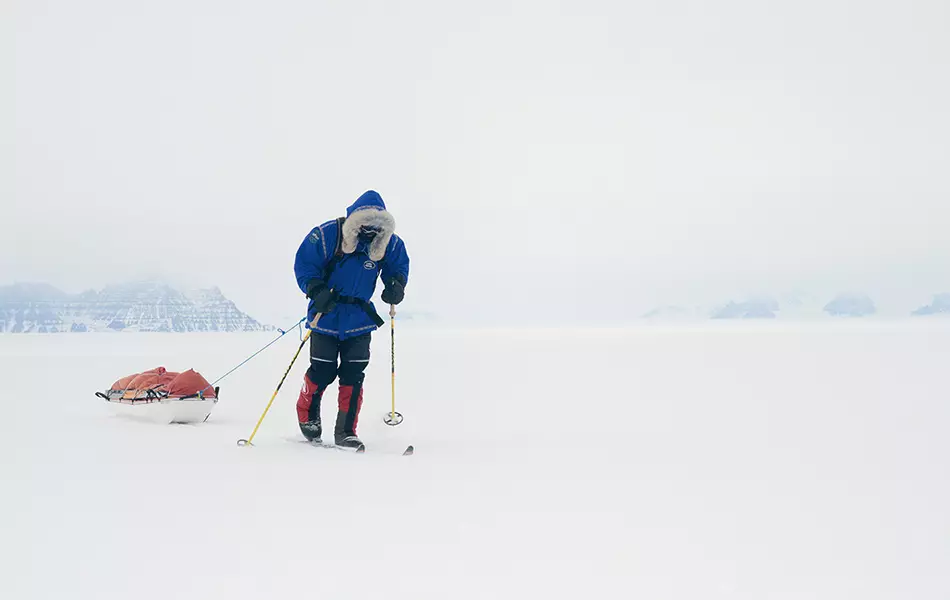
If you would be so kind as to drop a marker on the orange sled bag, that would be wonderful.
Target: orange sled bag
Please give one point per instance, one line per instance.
(163, 396)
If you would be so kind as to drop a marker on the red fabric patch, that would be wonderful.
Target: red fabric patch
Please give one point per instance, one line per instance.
(346, 392)
(305, 399)
(346, 396)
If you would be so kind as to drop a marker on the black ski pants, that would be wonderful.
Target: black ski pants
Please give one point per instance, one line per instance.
(330, 357)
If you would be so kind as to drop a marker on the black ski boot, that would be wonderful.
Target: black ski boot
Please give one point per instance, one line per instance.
(344, 433)
(313, 431)
(350, 442)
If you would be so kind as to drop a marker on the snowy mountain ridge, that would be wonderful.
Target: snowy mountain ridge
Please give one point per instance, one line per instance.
(795, 306)
(139, 306)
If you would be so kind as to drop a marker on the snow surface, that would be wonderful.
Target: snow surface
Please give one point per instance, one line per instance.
(728, 460)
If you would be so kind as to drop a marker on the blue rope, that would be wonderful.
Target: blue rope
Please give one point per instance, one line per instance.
(246, 360)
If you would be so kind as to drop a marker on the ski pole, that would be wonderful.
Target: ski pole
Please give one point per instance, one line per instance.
(248, 441)
(393, 418)
(392, 353)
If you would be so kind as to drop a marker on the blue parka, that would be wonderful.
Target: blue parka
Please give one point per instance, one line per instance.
(354, 272)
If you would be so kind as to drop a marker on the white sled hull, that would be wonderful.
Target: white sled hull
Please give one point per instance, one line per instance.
(169, 410)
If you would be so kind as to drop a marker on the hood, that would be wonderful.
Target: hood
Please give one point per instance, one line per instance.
(369, 209)
(369, 200)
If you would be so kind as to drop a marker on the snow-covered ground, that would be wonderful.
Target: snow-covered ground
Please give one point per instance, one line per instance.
(721, 461)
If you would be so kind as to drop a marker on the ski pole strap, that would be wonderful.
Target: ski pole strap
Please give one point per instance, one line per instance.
(366, 306)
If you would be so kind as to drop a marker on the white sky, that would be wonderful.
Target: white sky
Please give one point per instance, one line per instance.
(565, 158)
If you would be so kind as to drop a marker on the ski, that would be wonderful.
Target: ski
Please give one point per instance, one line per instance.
(356, 450)
(361, 449)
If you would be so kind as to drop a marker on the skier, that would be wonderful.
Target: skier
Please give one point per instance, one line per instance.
(337, 266)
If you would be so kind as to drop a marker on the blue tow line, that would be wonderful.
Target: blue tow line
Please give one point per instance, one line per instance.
(246, 360)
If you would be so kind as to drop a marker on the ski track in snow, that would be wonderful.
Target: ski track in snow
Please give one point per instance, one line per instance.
(719, 461)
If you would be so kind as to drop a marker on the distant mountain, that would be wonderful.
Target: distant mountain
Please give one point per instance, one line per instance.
(750, 309)
(789, 306)
(851, 305)
(674, 313)
(939, 306)
(142, 306)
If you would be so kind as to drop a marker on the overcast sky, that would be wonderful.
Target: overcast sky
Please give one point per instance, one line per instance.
(551, 158)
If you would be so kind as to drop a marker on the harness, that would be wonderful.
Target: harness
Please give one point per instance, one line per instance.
(331, 267)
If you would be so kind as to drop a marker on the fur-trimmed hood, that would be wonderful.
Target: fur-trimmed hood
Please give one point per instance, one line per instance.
(369, 209)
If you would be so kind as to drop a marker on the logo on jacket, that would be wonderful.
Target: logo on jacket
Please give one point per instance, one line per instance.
(369, 265)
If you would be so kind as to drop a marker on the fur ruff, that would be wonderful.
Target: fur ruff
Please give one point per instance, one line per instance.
(374, 218)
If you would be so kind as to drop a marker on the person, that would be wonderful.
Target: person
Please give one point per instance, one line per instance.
(337, 267)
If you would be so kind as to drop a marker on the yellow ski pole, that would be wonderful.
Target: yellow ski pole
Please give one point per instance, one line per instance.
(393, 418)
(248, 441)
(392, 351)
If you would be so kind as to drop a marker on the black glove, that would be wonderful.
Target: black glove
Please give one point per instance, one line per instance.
(324, 299)
(395, 290)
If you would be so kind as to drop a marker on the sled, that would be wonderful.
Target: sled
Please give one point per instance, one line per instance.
(161, 396)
